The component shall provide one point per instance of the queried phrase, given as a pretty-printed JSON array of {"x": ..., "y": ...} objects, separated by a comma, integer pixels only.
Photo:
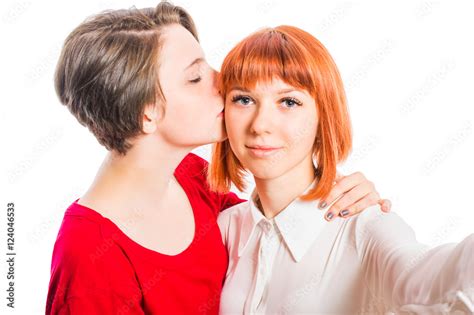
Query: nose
[{"x": 262, "y": 121}]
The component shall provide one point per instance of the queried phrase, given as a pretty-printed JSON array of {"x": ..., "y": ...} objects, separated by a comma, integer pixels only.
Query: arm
[
  {"x": 95, "y": 303},
  {"x": 410, "y": 276}
]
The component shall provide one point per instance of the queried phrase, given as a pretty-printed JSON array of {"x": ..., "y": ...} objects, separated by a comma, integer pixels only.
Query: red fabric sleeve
[
  {"x": 96, "y": 304},
  {"x": 89, "y": 273},
  {"x": 196, "y": 167}
]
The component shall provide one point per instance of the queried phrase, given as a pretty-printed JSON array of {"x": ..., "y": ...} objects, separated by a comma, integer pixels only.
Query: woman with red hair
[
  {"x": 143, "y": 239},
  {"x": 288, "y": 124}
]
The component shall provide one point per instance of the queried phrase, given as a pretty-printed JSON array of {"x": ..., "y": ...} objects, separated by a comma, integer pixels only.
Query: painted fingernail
[
  {"x": 329, "y": 215},
  {"x": 322, "y": 205},
  {"x": 344, "y": 212}
]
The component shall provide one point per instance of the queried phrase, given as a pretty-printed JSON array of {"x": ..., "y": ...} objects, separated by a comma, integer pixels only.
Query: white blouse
[{"x": 371, "y": 263}]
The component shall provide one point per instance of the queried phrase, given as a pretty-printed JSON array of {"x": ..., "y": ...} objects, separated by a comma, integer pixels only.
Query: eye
[
  {"x": 198, "y": 79},
  {"x": 291, "y": 102},
  {"x": 242, "y": 100}
]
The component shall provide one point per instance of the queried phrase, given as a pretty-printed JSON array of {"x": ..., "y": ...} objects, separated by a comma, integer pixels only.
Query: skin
[
  {"x": 138, "y": 191},
  {"x": 279, "y": 116}
]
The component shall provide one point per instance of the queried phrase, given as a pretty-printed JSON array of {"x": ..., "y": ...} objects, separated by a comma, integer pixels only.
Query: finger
[
  {"x": 344, "y": 185},
  {"x": 385, "y": 205},
  {"x": 341, "y": 207},
  {"x": 362, "y": 204}
]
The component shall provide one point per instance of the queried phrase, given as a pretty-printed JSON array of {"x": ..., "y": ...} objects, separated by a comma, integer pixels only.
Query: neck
[
  {"x": 277, "y": 193},
  {"x": 142, "y": 176}
]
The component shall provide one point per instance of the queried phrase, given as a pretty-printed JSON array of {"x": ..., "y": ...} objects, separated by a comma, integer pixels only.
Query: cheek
[
  {"x": 182, "y": 118},
  {"x": 235, "y": 127},
  {"x": 300, "y": 134},
  {"x": 189, "y": 108},
  {"x": 234, "y": 121},
  {"x": 181, "y": 114}
]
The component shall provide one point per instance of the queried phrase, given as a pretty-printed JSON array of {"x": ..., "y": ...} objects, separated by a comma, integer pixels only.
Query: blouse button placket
[{"x": 265, "y": 257}]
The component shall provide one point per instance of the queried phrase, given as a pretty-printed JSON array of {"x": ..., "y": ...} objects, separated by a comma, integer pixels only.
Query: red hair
[{"x": 300, "y": 60}]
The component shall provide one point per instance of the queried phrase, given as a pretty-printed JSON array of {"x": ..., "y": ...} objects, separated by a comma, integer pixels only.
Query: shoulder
[
  {"x": 80, "y": 230},
  {"x": 86, "y": 244},
  {"x": 89, "y": 263},
  {"x": 88, "y": 259},
  {"x": 235, "y": 212},
  {"x": 374, "y": 218},
  {"x": 373, "y": 226},
  {"x": 193, "y": 171},
  {"x": 77, "y": 233},
  {"x": 232, "y": 218},
  {"x": 370, "y": 216},
  {"x": 192, "y": 165}
]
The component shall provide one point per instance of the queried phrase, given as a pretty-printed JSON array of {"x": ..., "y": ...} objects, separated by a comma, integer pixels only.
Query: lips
[
  {"x": 261, "y": 147},
  {"x": 262, "y": 151}
]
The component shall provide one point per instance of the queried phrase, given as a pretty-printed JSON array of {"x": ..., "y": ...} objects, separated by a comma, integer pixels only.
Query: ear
[{"x": 152, "y": 114}]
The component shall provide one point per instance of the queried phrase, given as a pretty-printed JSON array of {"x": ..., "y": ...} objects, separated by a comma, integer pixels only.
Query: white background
[{"x": 407, "y": 66}]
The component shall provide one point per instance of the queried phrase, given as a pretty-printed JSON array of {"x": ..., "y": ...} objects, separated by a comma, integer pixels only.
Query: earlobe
[{"x": 151, "y": 117}]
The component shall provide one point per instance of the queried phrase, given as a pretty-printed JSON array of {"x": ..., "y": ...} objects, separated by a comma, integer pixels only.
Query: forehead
[
  {"x": 179, "y": 48},
  {"x": 275, "y": 85}
]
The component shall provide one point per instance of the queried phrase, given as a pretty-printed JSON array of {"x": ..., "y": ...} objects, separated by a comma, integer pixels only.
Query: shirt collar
[{"x": 300, "y": 223}]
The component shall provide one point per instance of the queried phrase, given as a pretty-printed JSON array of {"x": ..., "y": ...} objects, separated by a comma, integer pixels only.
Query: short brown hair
[
  {"x": 300, "y": 60},
  {"x": 108, "y": 70}
]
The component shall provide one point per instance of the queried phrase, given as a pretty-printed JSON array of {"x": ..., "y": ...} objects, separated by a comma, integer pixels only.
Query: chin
[
  {"x": 222, "y": 136},
  {"x": 264, "y": 170},
  {"x": 266, "y": 176},
  {"x": 216, "y": 135}
]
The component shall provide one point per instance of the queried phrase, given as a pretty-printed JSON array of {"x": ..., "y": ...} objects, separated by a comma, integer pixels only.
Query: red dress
[{"x": 97, "y": 269}]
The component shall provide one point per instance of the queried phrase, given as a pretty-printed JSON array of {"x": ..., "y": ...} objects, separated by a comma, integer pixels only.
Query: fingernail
[
  {"x": 329, "y": 215},
  {"x": 322, "y": 205},
  {"x": 344, "y": 212}
]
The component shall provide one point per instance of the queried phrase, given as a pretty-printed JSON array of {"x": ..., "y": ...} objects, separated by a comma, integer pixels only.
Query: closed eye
[{"x": 198, "y": 79}]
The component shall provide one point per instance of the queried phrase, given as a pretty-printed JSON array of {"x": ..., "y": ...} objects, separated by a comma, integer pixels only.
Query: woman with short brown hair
[{"x": 144, "y": 237}]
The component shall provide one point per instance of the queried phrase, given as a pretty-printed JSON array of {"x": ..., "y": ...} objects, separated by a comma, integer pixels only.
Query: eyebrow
[
  {"x": 279, "y": 92},
  {"x": 196, "y": 61},
  {"x": 287, "y": 91}
]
